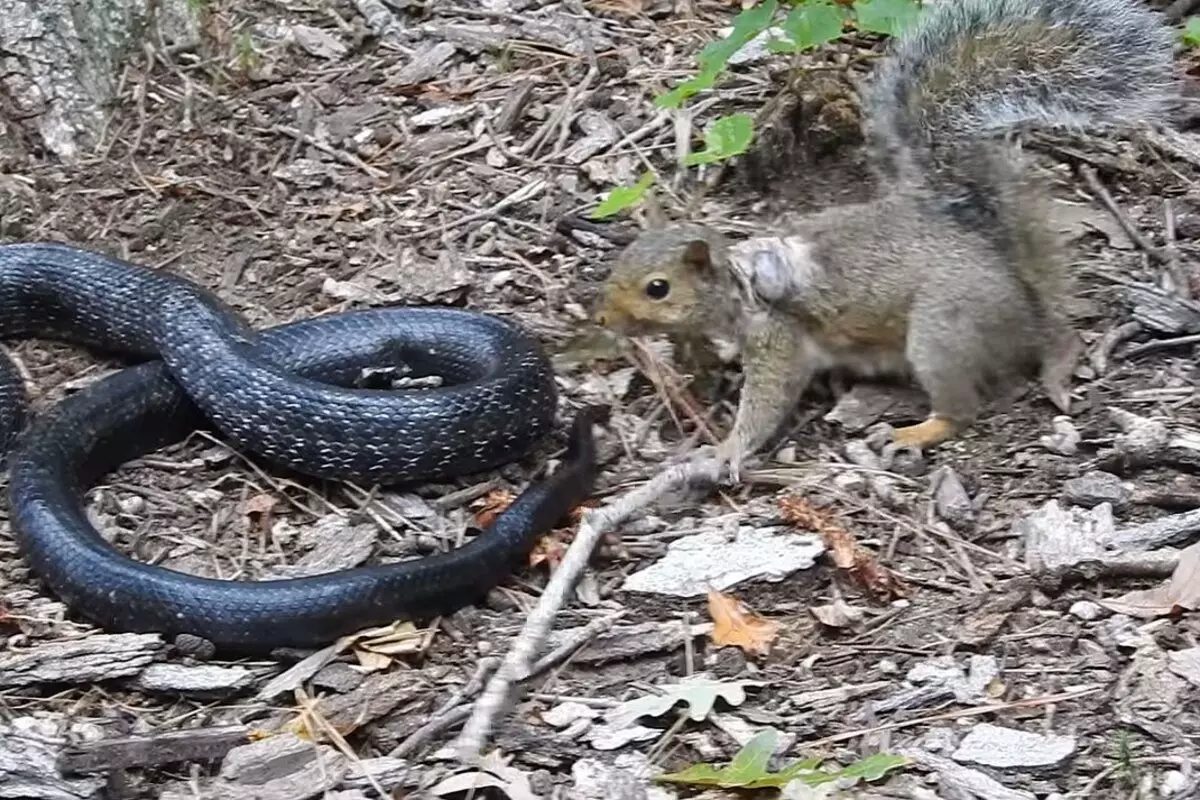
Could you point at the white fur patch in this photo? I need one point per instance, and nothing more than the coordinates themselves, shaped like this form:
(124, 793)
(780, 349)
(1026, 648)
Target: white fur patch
(774, 268)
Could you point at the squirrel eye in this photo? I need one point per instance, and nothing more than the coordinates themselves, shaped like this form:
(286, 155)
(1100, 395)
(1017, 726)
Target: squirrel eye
(658, 289)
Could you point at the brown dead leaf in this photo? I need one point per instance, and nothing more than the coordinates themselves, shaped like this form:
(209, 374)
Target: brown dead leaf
(735, 624)
(549, 549)
(846, 553)
(1180, 593)
(259, 510)
(492, 505)
(838, 614)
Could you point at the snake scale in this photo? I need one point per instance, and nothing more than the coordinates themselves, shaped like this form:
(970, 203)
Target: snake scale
(290, 394)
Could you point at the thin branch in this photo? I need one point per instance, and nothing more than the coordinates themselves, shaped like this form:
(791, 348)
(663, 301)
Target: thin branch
(518, 662)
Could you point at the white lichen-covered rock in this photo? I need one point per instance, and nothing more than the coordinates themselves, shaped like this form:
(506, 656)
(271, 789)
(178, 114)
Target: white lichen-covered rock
(60, 62)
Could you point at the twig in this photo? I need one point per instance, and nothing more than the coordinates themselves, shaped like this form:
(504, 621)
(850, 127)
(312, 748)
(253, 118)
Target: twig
(344, 156)
(1109, 203)
(1182, 285)
(1162, 344)
(978, 711)
(563, 651)
(519, 659)
(1105, 345)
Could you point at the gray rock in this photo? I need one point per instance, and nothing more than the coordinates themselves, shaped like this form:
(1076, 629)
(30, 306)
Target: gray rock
(1096, 487)
(1086, 610)
(1006, 748)
(950, 498)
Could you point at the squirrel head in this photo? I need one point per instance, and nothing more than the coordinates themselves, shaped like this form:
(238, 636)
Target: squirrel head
(667, 280)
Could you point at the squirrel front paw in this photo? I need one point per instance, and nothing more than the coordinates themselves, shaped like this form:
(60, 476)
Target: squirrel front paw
(724, 460)
(730, 456)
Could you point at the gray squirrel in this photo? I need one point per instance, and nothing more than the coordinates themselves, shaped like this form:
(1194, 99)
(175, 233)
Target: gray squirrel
(952, 274)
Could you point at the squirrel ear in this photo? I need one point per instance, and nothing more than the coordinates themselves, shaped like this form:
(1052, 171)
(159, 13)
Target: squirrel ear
(656, 218)
(696, 255)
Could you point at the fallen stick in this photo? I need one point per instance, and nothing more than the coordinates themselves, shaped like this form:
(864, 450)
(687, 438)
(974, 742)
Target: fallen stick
(106, 755)
(518, 662)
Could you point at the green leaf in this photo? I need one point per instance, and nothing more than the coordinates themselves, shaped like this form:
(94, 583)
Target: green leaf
(622, 197)
(813, 24)
(889, 17)
(698, 692)
(725, 138)
(748, 769)
(874, 767)
(747, 24)
(871, 768)
(682, 91)
(1191, 32)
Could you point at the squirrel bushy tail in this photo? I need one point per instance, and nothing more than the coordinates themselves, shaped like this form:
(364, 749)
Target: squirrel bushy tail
(969, 72)
(973, 69)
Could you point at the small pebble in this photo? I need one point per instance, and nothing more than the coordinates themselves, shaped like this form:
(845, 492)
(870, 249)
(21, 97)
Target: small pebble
(786, 455)
(1173, 782)
(951, 499)
(1065, 437)
(1086, 610)
(1093, 488)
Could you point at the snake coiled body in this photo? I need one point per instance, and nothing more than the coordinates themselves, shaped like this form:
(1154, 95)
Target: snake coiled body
(286, 394)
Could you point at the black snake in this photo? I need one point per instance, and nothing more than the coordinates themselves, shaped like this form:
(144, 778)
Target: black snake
(290, 395)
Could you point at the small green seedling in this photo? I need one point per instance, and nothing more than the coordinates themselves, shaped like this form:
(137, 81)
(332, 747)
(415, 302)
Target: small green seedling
(809, 26)
(620, 198)
(1191, 32)
(725, 138)
(748, 24)
(889, 17)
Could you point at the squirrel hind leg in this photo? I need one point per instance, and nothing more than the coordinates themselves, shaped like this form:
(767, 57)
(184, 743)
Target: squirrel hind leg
(954, 400)
(1058, 365)
(949, 360)
(932, 431)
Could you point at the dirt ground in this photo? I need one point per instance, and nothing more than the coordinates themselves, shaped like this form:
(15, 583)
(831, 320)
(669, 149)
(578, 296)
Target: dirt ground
(299, 165)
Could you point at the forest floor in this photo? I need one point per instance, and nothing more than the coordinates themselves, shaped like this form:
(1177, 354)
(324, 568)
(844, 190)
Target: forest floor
(959, 609)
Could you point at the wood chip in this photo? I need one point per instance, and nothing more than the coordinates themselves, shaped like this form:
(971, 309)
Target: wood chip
(203, 744)
(29, 750)
(89, 660)
(194, 679)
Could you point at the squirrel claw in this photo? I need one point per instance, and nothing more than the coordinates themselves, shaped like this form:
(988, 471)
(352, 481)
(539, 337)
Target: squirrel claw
(932, 431)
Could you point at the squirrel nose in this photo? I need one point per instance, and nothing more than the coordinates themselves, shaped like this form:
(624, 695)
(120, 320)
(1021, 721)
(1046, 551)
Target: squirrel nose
(601, 318)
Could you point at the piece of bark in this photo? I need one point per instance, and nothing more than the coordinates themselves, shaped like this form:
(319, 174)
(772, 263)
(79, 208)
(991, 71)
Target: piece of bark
(283, 767)
(425, 63)
(378, 695)
(29, 748)
(95, 658)
(202, 744)
(1145, 442)
(1162, 532)
(388, 771)
(195, 680)
(625, 642)
(1164, 313)
(59, 66)
(1061, 541)
(969, 782)
(514, 106)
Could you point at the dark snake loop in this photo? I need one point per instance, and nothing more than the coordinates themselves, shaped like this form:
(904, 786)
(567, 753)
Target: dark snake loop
(286, 394)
